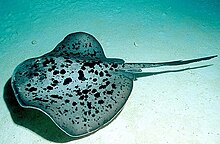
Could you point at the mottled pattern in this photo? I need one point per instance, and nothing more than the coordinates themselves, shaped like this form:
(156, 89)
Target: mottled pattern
(77, 86)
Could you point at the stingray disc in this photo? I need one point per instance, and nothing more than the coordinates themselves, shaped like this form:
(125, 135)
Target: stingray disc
(75, 85)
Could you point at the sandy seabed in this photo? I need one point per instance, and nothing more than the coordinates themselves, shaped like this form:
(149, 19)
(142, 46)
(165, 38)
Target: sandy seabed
(171, 108)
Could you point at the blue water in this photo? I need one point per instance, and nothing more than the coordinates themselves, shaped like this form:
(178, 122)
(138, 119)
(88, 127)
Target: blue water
(175, 108)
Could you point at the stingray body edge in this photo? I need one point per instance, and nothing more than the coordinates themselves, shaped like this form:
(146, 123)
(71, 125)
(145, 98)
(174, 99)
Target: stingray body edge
(77, 86)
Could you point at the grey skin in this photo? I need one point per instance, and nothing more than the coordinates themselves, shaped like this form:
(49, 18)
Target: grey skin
(77, 86)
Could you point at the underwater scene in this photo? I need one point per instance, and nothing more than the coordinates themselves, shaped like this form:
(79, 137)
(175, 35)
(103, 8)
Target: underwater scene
(102, 71)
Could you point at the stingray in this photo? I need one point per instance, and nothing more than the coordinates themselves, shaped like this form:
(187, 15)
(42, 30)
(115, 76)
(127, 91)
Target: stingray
(77, 86)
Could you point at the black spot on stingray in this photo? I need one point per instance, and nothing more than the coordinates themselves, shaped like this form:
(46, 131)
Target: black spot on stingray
(96, 72)
(52, 60)
(89, 64)
(50, 69)
(49, 87)
(107, 83)
(109, 106)
(110, 92)
(36, 74)
(106, 65)
(115, 65)
(55, 72)
(55, 81)
(102, 87)
(68, 61)
(83, 68)
(74, 103)
(89, 112)
(32, 89)
(53, 101)
(62, 71)
(78, 92)
(91, 71)
(108, 75)
(82, 103)
(60, 112)
(35, 66)
(113, 86)
(81, 97)
(67, 101)
(94, 90)
(56, 96)
(28, 85)
(94, 54)
(81, 75)
(104, 79)
(101, 74)
(96, 111)
(89, 105)
(46, 62)
(69, 95)
(97, 94)
(95, 79)
(53, 84)
(65, 111)
(85, 91)
(67, 81)
(100, 102)
(53, 67)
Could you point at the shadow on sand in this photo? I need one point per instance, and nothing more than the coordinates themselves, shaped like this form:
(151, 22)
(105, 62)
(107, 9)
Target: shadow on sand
(40, 123)
(33, 119)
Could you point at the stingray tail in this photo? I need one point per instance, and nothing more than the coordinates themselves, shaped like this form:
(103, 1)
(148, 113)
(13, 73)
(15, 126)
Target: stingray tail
(171, 63)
